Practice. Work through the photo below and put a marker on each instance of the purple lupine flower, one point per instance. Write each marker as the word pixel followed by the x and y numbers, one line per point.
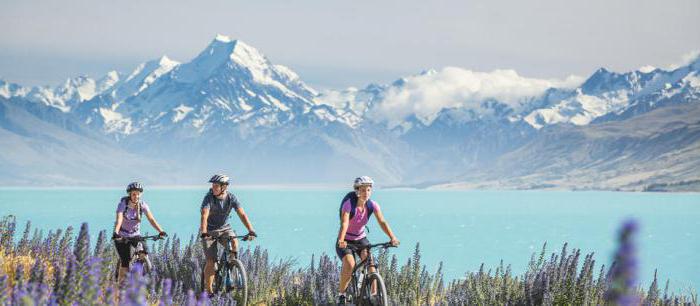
pixel 623 274
pixel 203 299
pixel 135 294
pixel 166 298
pixel 109 295
pixel 82 244
pixel 191 300
pixel 91 281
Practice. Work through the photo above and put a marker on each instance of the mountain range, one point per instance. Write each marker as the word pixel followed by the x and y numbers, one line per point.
pixel 230 109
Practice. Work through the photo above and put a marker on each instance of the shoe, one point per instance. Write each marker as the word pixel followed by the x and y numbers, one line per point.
pixel 375 300
pixel 341 299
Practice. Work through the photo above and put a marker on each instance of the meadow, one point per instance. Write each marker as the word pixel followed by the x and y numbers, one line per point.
pixel 67 267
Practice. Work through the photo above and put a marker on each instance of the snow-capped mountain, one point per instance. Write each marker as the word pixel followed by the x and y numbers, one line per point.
pixel 231 107
pixel 65 97
pixel 607 94
pixel 228 84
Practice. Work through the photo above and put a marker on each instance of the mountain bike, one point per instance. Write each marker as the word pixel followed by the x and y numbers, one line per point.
pixel 367 288
pixel 229 273
pixel 139 254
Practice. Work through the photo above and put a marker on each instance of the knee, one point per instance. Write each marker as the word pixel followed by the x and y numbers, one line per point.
pixel 349 261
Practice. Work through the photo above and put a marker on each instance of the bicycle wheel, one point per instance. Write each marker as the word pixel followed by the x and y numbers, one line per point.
pixel 239 281
pixel 220 274
pixel 145 266
pixel 352 295
pixel 380 298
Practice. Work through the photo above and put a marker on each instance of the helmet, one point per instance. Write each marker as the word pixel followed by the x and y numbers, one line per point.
pixel 219 179
pixel 362 181
pixel 134 186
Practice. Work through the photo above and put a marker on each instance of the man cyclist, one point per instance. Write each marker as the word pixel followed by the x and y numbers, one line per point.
pixel 215 210
pixel 352 229
pixel 128 220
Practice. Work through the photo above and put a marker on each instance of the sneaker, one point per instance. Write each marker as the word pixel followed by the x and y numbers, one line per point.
pixel 341 299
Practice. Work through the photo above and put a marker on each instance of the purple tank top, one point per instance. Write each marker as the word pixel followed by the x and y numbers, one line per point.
pixel 356 226
pixel 130 223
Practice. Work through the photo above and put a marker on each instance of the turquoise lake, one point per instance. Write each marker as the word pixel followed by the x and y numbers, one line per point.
pixel 460 228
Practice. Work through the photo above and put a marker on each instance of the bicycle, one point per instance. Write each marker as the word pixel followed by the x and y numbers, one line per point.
pixel 359 291
pixel 139 254
pixel 229 273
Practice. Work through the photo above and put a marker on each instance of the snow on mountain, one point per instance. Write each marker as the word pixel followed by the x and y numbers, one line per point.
pixel 423 96
pixel 268 123
pixel 229 84
pixel 8 90
pixel 352 104
pixel 606 95
pixel 143 76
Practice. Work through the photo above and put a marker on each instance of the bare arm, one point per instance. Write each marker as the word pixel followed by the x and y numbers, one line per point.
pixel 244 218
pixel 153 222
pixel 118 223
pixel 203 221
pixel 385 226
pixel 344 222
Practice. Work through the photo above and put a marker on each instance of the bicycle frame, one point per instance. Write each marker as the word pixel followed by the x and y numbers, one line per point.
pixel 361 272
pixel 368 262
pixel 139 250
pixel 227 261
pixel 226 241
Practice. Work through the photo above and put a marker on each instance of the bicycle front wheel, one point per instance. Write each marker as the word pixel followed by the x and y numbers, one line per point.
pixel 379 298
pixel 239 282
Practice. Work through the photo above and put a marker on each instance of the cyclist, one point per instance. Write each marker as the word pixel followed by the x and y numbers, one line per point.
pixel 352 228
pixel 129 212
pixel 216 208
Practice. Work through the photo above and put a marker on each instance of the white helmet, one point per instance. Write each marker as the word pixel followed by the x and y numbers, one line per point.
pixel 362 181
pixel 219 179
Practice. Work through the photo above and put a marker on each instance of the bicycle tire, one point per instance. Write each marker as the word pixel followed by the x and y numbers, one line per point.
pixel 220 271
pixel 145 268
pixel 351 294
pixel 240 277
pixel 366 291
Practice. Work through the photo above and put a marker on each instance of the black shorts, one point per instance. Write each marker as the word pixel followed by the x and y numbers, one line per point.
pixel 125 249
pixel 352 244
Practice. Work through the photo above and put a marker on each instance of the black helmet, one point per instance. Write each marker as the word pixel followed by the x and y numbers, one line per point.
pixel 134 186
pixel 219 179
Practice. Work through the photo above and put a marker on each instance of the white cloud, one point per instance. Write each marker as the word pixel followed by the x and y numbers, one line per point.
pixel 686 60
pixel 426 94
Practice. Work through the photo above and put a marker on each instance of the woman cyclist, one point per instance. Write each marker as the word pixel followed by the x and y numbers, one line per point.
pixel 129 212
pixel 352 228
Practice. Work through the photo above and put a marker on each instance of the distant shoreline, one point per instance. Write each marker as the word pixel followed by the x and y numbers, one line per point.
pixel 666 188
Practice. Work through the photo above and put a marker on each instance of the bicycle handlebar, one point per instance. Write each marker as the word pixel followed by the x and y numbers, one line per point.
pixel 139 238
pixel 227 238
pixel 383 245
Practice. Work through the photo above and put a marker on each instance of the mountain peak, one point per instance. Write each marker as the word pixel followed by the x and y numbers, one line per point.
pixel 222 38
pixel 223 50
pixel 166 61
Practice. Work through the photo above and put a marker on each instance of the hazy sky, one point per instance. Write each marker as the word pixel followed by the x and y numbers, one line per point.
pixel 343 43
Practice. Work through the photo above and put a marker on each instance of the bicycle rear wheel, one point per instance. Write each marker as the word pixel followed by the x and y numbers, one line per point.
pixel 378 299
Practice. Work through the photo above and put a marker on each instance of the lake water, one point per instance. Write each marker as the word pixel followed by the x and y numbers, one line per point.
pixel 460 228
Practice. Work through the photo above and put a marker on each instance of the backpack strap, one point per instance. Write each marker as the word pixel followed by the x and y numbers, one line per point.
pixel 370 208
pixel 353 203
pixel 139 212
